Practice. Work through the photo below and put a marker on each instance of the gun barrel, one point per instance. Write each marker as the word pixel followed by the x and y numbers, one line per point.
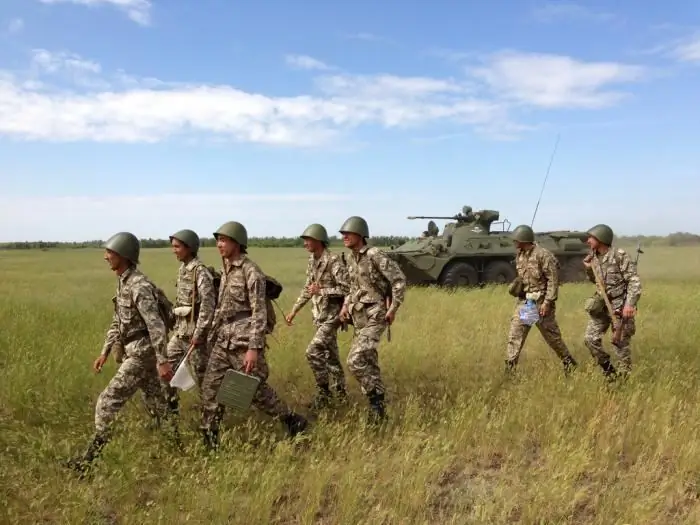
pixel 431 217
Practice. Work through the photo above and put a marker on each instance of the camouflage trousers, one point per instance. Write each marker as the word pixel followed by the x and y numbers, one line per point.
pixel 548 327
pixel 136 372
pixel 177 349
pixel 222 358
pixel 593 339
pixel 363 358
pixel 323 356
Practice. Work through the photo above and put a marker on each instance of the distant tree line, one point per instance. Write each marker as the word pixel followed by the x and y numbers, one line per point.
pixel 674 239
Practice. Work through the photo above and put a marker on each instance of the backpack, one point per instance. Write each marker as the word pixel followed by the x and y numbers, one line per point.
pixel 216 281
pixel 273 289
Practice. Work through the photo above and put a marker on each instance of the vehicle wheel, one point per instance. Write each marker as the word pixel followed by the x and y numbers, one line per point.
pixel 499 272
pixel 460 274
pixel 572 271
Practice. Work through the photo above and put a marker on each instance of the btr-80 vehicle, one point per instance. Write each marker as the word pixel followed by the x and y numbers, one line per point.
pixel 469 253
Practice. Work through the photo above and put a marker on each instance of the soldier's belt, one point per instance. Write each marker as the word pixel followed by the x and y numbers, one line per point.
pixel 239 316
pixel 140 334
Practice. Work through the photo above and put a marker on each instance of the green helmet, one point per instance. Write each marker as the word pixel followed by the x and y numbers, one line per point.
pixel 603 233
pixel 524 233
pixel 234 230
pixel 188 237
pixel 316 231
pixel 125 244
pixel 356 225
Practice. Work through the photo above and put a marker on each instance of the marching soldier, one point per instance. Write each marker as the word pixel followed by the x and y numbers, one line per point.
pixel 326 286
pixel 138 325
pixel 623 288
pixel 194 310
pixel 538 280
pixel 377 288
pixel 238 335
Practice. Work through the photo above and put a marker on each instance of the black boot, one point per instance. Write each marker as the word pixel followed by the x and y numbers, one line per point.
pixel 377 408
pixel 174 406
pixel 509 367
pixel 295 423
pixel 569 364
pixel 608 370
pixel 82 464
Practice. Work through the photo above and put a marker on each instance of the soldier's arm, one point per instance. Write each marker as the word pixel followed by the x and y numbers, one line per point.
pixel 392 272
pixel 255 282
pixel 629 272
pixel 207 298
pixel 551 272
pixel 111 337
pixel 145 300
pixel 340 276
pixel 304 295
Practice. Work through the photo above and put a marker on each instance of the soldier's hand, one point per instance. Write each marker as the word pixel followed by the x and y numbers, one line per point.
pixel 165 371
pixel 289 318
pixel 390 316
pixel 628 311
pixel 343 315
pixel 196 342
pixel 587 260
pixel 544 309
pixel 99 363
pixel 314 289
pixel 250 360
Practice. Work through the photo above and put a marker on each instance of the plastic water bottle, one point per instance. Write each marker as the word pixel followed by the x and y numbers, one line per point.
pixel 529 314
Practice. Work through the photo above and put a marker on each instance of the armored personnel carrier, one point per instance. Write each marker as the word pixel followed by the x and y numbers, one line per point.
pixel 470 253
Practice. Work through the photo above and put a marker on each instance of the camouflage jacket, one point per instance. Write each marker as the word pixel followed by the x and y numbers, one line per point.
pixel 241 314
pixel 204 300
pixel 539 270
pixel 330 273
pixel 373 277
pixel 620 277
pixel 137 322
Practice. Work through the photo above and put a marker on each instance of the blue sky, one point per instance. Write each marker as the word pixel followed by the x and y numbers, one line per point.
pixel 152 116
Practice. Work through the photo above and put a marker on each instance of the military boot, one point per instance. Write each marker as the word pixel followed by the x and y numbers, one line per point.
pixel 210 438
pixel 608 370
pixel 81 464
pixel 570 364
pixel 340 393
pixel 377 408
pixel 322 399
pixel 295 423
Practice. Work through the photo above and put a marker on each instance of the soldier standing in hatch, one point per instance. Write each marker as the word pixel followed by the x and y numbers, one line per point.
pixel 193 320
pixel 326 286
pixel 137 324
pixel 623 288
pixel 374 280
pixel 538 275
pixel 238 335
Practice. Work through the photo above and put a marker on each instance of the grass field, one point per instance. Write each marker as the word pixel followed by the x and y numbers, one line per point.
pixel 463 446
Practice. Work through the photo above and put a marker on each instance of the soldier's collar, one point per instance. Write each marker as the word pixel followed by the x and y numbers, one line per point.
pixel 191 264
pixel 237 262
pixel 123 277
pixel 364 249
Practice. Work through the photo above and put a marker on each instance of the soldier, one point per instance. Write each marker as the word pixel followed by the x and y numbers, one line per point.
pixel 538 279
pixel 238 335
pixel 138 325
pixel 193 319
pixel 326 285
pixel 623 288
pixel 377 288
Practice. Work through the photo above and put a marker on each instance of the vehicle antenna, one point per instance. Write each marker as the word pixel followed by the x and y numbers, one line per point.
pixel 545 180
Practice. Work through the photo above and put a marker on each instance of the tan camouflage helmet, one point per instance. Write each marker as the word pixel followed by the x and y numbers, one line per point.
pixel 125 244
pixel 188 237
pixel 317 232
pixel 234 230
pixel 603 233
pixel 356 225
pixel 523 233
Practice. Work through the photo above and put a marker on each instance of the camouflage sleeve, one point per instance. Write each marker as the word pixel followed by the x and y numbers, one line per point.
pixel 255 282
pixel 628 268
pixel 145 300
pixel 340 276
pixel 551 272
pixel 111 337
pixel 392 272
pixel 591 275
pixel 304 295
pixel 207 298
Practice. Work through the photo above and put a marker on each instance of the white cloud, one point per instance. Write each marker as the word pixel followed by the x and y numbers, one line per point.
pixel 556 81
pixel 136 10
pixel 562 10
pixel 122 108
pixel 688 50
pixel 15 26
pixel 306 62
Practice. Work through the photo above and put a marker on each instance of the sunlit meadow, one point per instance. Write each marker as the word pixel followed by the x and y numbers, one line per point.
pixel 464 445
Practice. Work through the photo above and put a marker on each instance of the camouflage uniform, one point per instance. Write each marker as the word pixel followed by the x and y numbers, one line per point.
pixel 195 279
pixel 139 328
pixel 374 278
pixel 538 271
pixel 623 287
pixel 322 354
pixel 240 324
